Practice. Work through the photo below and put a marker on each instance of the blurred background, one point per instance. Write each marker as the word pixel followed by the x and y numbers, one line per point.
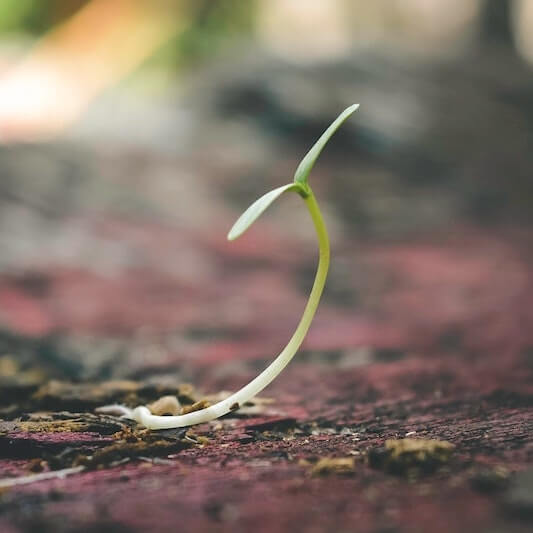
pixel 134 132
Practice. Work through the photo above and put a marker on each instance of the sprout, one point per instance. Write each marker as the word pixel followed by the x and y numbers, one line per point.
pixel 143 415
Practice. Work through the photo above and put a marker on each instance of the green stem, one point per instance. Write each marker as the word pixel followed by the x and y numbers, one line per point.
pixel 143 415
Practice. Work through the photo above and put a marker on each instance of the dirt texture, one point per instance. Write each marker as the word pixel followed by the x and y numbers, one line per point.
pixel 409 407
pixel 410 411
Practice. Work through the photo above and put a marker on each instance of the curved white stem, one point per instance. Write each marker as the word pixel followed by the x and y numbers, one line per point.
pixel 142 414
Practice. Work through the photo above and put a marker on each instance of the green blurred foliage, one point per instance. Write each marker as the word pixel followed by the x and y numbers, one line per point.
pixel 34 17
pixel 212 26
pixel 24 16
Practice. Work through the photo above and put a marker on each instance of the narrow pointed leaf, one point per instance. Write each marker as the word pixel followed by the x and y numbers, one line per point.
pixel 304 168
pixel 256 209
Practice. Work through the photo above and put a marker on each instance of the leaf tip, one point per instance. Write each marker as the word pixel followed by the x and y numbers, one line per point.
pixel 352 108
pixel 232 235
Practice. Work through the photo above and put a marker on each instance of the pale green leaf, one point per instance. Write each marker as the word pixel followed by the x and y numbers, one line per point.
pixel 304 168
pixel 257 208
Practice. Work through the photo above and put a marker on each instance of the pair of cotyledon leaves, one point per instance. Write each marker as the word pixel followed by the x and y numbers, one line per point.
pixel 299 184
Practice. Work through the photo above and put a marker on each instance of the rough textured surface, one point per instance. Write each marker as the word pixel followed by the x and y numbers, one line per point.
pixel 408 409
pixel 439 348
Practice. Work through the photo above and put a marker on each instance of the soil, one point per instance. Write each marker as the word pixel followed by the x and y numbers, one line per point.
pixel 409 407
pixel 409 412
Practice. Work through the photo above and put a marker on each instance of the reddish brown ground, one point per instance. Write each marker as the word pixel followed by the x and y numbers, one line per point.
pixel 427 338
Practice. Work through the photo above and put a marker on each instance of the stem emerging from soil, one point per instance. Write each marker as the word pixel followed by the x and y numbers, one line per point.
pixel 143 415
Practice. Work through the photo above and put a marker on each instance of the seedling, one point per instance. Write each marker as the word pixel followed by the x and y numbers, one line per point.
pixel 143 415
